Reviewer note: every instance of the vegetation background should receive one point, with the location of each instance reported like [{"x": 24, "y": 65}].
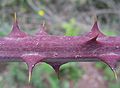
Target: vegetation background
[{"x": 62, "y": 17}]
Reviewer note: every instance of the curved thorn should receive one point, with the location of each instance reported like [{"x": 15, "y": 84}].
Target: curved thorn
[
  {"x": 115, "y": 73},
  {"x": 92, "y": 39},
  {"x": 111, "y": 61}
]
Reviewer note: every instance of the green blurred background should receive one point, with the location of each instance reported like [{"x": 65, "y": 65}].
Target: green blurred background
[{"x": 62, "y": 17}]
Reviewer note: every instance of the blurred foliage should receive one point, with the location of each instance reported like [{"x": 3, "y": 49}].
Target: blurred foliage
[
  {"x": 114, "y": 85},
  {"x": 70, "y": 28},
  {"x": 72, "y": 71},
  {"x": 6, "y": 28}
]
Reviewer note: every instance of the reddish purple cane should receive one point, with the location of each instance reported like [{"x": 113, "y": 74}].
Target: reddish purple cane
[{"x": 57, "y": 50}]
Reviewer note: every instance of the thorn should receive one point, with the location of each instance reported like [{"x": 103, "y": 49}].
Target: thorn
[
  {"x": 95, "y": 26},
  {"x": 56, "y": 69},
  {"x": 56, "y": 66},
  {"x": 93, "y": 39},
  {"x": 42, "y": 30},
  {"x": 30, "y": 75},
  {"x": 58, "y": 74},
  {"x": 115, "y": 73},
  {"x": 111, "y": 61},
  {"x": 15, "y": 17},
  {"x": 95, "y": 18},
  {"x": 15, "y": 25},
  {"x": 30, "y": 70},
  {"x": 95, "y": 29},
  {"x": 31, "y": 60},
  {"x": 16, "y": 30},
  {"x": 43, "y": 23}
]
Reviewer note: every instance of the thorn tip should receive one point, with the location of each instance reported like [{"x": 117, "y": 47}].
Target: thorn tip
[
  {"x": 43, "y": 23},
  {"x": 15, "y": 17},
  {"x": 115, "y": 74},
  {"x": 95, "y": 18},
  {"x": 29, "y": 79}
]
